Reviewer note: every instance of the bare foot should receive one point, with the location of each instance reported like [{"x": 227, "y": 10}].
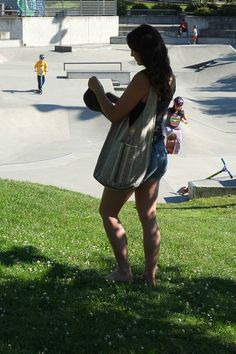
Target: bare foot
[
  {"x": 183, "y": 190},
  {"x": 118, "y": 276},
  {"x": 149, "y": 281}
]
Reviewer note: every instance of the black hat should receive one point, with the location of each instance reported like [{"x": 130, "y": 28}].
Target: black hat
[{"x": 91, "y": 101}]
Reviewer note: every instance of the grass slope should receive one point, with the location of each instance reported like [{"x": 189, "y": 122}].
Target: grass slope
[{"x": 54, "y": 255}]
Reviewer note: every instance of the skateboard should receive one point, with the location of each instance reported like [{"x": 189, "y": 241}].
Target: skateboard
[{"x": 170, "y": 143}]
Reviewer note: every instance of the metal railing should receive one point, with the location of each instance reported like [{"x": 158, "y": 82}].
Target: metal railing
[
  {"x": 67, "y": 7},
  {"x": 94, "y": 63}
]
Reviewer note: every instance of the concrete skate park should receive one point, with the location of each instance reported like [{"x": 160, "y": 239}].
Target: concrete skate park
[{"x": 54, "y": 139}]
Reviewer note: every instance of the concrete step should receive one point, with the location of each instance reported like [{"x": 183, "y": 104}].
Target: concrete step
[
  {"x": 4, "y": 35},
  {"x": 123, "y": 77},
  {"x": 63, "y": 48},
  {"x": 150, "y": 19},
  {"x": 118, "y": 40},
  {"x": 10, "y": 43},
  {"x": 167, "y": 36},
  {"x": 118, "y": 87},
  {"x": 212, "y": 187},
  {"x": 169, "y": 29},
  {"x": 166, "y": 31},
  {"x": 159, "y": 27},
  {"x": 173, "y": 40},
  {"x": 218, "y": 33}
]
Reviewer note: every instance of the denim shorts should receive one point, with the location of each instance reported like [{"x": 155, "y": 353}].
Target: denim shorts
[{"x": 158, "y": 162}]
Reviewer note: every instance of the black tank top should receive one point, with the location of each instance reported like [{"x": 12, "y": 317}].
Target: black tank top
[{"x": 162, "y": 107}]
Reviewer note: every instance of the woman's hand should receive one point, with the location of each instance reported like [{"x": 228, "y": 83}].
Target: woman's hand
[
  {"x": 95, "y": 85},
  {"x": 184, "y": 120}
]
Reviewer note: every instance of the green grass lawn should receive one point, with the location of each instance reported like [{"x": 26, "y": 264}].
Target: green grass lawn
[
  {"x": 54, "y": 256},
  {"x": 67, "y": 4}
]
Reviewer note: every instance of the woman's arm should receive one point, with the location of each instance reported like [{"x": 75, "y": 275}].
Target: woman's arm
[
  {"x": 184, "y": 119},
  {"x": 136, "y": 91},
  {"x": 113, "y": 98}
]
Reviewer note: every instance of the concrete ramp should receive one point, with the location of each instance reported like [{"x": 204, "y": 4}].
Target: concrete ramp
[
  {"x": 55, "y": 139},
  {"x": 3, "y": 59},
  {"x": 26, "y": 134},
  {"x": 209, "y": 95}
]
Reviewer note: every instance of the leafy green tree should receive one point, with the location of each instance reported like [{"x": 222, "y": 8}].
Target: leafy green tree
[{"x": 121, "y": 7}]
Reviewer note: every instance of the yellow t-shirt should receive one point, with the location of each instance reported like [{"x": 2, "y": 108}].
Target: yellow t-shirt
[{"x": 41, "y": 67}]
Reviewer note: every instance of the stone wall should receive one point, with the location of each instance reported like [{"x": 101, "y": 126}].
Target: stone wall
[
  {"x": 202, "y": 22},
  {"x": 70, "y": 30}
]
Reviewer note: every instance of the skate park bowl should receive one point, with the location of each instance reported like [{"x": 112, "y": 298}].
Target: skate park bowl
[{"x": 55, "y": 139}]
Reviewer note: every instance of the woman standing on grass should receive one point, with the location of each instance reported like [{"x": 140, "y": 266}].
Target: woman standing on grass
[{"x": 148, "y": 49}]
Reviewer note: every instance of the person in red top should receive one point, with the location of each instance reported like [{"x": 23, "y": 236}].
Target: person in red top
[{"x": 183, "y": 27}]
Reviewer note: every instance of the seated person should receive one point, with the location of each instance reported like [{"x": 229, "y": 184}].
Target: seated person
[{"x": 183, "y": 27}]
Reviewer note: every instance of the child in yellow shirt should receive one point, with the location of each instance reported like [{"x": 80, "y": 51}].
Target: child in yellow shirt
[{"x": 41, "y": 68}]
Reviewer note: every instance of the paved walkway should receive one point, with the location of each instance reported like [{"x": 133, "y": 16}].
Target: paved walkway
[{"x": 53, "y": 139}]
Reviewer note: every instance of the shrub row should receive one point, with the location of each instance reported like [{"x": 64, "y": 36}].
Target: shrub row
[
  {"x": 212, "y": 10},
  {"x": 198, "y": 10}
]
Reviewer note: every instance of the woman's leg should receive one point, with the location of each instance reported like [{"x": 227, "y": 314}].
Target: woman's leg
[
  {"x": 111, "y": 204},
  {"x": 146, "y": 201}
]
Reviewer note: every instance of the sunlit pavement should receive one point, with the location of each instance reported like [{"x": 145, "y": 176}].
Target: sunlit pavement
[{"x": 54, "y": 139}]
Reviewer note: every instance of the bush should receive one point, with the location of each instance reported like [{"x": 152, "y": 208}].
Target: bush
[
  {"x": 227, "y": 10},
  {"x": 121, "y": 7},
  {"x": 213, "y": 7},
  {"x": 139, "y": 6},
  {"x": 191, "y": 8},
  {"x": 163, "y": 6},
  {"x": 204, "y": 11}
]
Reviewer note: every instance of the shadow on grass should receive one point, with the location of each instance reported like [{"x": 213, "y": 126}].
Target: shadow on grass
[
  {"x": 70, "y": 310},
  {"x": 177, "y": 199},
  {"x": 19, "y": 255}
]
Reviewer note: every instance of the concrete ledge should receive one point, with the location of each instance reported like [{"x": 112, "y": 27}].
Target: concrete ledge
[
  {"x": 63, "y": 48},
  {"x": 150, "y": 19},
  {"x": 173, "y": 40},
  {"x": 123, "y": 77},
  {"x": 212, "y": 187},
  {"x": 153, "y": 12},
  {"x": 10, "y": 43},
  {"x": 4, "y": 35},
  {"x": 216, "y": 33},
  {"x": 118, "y": 40}
]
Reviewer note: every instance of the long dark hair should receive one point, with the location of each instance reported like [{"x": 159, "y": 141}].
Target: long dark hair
[{"x": 147, "y": 41}]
